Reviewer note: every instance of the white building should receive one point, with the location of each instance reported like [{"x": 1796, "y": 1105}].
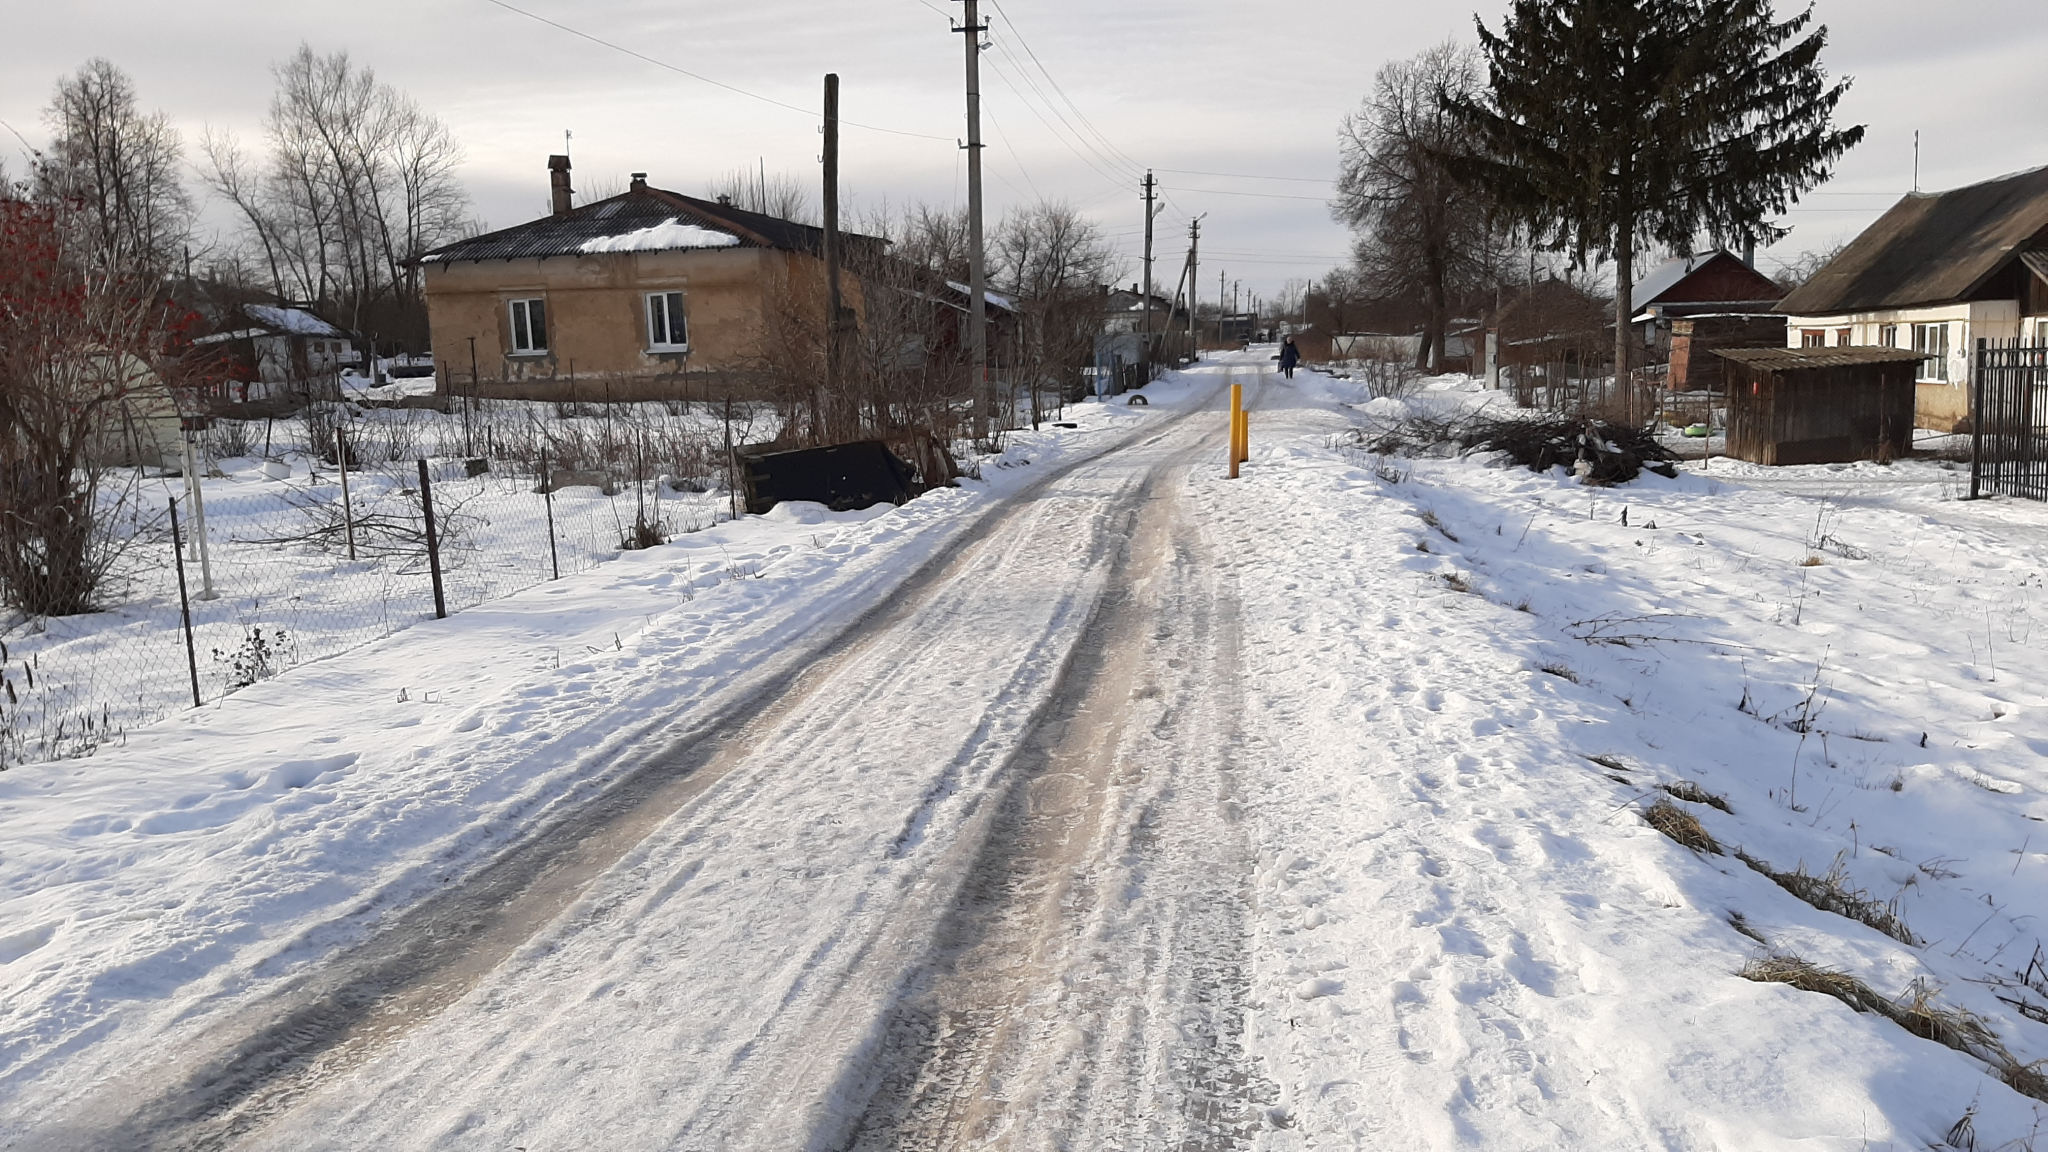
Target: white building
[{"x": 1936, "y": 274}]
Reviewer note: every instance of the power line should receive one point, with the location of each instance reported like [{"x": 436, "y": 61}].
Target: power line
[
  {"x": 1135, "y": 167},
  {"x": 811, "y": 112},
  {"x": 1249, "y": 176},
  {"x": 1260, "y": 195}
]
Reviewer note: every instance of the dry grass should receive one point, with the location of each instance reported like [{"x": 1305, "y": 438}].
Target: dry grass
[
  {"x": 1830, "y": 892},
  {"x": 1919, "y": 1011},
  {"x": 1692, "y": 793},
  {"x": 1610, "y": 762},
  {"x": 1681, "y": 826},
  {"x": 1740, "y": 923},
  {"x": 1812, "y": 562},
  {"x": 1455, "y": 581},
  {"x": 1560, "y": 671}
]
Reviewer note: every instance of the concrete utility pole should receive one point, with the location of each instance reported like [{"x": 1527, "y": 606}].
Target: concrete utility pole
[
  {"x": 1194, "y": 270},
  {"x": 977, "y": 264},
  {"x": 1150, "y": 186},
  {"x": 834, "y": 318}
]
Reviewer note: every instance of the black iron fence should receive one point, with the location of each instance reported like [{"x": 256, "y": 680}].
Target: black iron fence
[{"x": 2009, "y": 420}]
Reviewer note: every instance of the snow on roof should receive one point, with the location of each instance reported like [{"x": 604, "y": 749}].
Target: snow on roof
[
  {"x": 668, "y": 234},
  {"x": 1003, "y": 302},
  {"x": 296, "y": 321},
  {"x": 1663, "y": 277}
]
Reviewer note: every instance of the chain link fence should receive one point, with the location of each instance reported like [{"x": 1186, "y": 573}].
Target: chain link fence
[{"x": 264, "y": 565}]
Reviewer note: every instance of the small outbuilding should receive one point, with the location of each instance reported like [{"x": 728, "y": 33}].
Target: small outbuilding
[{"x": 1819, "y": 405}]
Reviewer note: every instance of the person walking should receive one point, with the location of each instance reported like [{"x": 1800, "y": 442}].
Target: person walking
[{"x": 1290, "y": 355}]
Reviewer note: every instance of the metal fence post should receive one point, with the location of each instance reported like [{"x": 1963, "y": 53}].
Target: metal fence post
[
  {"x": 433, "y": 542},
  {"x": 547, "y": 490},
  {"x": 348, "y": 512},
  {"x": 1977, "y": 422},
  {"x": 198, "y": 499},
  {"x": 184, "y": 602}
]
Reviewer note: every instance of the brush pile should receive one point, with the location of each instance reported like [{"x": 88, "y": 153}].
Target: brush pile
[{"x": 1598, "y": 452}]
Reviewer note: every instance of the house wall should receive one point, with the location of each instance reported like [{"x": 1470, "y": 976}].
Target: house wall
[
  {"x": 1941, "y": 405},
  {"x": 597, "y": 316}
]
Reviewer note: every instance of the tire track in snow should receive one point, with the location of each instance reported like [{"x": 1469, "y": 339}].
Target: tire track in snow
[
  {"x": 1088, "y": 986},
  {"x": 262, "y": 1063}
]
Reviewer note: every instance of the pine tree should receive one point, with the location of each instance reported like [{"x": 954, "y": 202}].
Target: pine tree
[{"x": 1610, "y": 124}]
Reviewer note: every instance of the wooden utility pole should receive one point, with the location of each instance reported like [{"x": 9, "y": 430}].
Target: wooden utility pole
[
  {"x": 1194, "y": 270},
  {"x": 977, "y": 264},
  {"x": 1150, "y": 191},
  {"x": 828, "y": 400}
]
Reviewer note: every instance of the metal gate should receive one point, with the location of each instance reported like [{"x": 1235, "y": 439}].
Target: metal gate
[{"x": 2009, "y": 445}]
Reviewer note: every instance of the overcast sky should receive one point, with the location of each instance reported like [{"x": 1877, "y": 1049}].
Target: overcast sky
[{"x": 1079, "y": 97}]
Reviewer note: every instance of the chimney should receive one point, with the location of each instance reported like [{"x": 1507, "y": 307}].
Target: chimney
[
  {"x": 639, "y": 182},
  {"x": 724, "y": 200},
  {"x": 558, "y": 183}
]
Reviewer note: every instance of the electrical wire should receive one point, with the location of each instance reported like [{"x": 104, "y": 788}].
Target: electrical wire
[
  {"x": 1247, "y": 176},
  {"x": 812, "y": 112},
  {"x": 1133, "y": 165}
]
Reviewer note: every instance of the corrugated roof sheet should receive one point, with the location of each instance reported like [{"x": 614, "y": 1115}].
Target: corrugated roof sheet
[
  {"x": 1783, "y": 359},
  {"x": 633, "y": 211},
  {"x": 1930, "y": 248}
]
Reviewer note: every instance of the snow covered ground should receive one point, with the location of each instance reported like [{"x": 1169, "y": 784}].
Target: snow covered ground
[
  {"x": 148, "y": 890},
  {"x": 1354, "y": 853},
  {"x": 1469, "y": 936}
]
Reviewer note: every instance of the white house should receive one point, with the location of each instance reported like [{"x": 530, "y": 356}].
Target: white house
[{"x": 1937, "y": 273}]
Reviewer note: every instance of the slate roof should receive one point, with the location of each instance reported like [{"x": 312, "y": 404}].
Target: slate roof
[
  {"x": 1931, "y": 248},
  {"x": 1792, "y": 359},
  {"x": 632, "y": 211}
]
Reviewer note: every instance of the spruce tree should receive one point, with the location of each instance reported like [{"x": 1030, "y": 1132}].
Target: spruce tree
[{"x": 1607, "y": 125}]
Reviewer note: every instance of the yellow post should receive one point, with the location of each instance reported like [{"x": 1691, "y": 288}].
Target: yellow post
[
  {"x": 1244, "y": 435},
  {"x": 1236, "y": 414}
]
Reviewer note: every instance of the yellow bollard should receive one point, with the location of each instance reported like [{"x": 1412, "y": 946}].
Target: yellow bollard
[
  {"x": 1236, "y": 415},
  {"x": 1244, "y": 435}
]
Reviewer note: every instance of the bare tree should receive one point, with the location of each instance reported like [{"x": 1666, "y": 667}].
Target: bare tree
[
  {"x": 1420, "y": 233},
  {"x": 1054, "y": 264},
  {"x": 121, "y": 167},
  {"x": 84, "y": 351},
  {"x": 777, "y": 195},
  {"x": 358, "y": 182}
]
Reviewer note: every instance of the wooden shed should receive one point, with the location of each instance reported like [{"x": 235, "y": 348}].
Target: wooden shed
[{"x": 1819, "y": 405}]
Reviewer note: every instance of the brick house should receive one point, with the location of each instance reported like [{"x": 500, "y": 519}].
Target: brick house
[{"x": 647, "y": 294}]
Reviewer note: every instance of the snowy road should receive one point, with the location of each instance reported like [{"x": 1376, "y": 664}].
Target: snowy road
[{"x": 975, "y": 874}]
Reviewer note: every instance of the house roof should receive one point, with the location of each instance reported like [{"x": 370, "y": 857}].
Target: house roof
[
  {"x": 1791, "y": 359},
  {"x": 291, "y": 321},
  {"x": 641, "y": 219},
  {"x": 1930, "y": 248},
  {"x": 1719, "y": 269}
]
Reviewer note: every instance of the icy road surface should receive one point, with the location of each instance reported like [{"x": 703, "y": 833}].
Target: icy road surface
[{"x": 973, "y": 876}]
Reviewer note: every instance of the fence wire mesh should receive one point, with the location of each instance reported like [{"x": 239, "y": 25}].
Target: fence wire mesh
[{"x": 280, "y": 570}]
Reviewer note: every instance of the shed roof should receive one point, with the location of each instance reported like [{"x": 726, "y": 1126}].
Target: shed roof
[
  {"x": 1930, "y": 248},
  {"x": 655, "y": 219},
  {"x": 1791, "y": 359}
]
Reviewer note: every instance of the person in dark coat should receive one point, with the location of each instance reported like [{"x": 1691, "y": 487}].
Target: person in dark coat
[{"x": 1290, "y": 355}]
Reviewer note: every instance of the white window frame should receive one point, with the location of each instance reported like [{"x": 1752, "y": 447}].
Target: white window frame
[
  {"x": 1845, "y": 337},
  {"x": 1888, "y": 335},
  {"x": 1935, "y": 370},
  {"x": 664, "y": 312},
  {"x": 519, "y": 316}
]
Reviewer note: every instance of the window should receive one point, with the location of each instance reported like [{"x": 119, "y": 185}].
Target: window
[
  {"x": 1813, "y": 337},
  {"x": 2041, "y": 333},
  {"x": 1933, "y": 340},
  {"x": 666, "y": 329},
  {"x": 529, "y": 327},
  {"x": 1844, "y": 337},
  {"x": 1888, "y": 336}
]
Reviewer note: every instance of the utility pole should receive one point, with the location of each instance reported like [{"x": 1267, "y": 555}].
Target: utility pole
[
  {"x": 1194, "y": 270},
  {"x": 835, "y": 318},
  {"x": 1150, "y": 186},
  {"x": 977, "y": 264}
]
